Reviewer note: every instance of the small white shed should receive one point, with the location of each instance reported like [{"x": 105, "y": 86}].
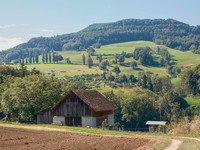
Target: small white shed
[{"x": 157, "y": 126}]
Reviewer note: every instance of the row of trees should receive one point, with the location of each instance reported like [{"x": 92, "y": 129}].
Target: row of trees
[
  {"x": 136, "y": 106},
  {"x": 23, "y": 93},
  {"x": 47, "y": 57},
  {"x": 155, "y": 83},
  {"x": 190, "y": 82},
  {"x": 51, "y": 57}
]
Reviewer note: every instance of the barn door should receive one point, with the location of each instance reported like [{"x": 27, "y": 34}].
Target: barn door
[{"x": 73, "y": 121}]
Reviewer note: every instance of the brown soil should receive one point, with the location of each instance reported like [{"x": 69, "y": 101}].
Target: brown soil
[{"x": 15, "y": 139}]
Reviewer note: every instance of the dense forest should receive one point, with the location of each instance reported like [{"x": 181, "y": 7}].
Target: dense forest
[{"x": 171, "y": 33}]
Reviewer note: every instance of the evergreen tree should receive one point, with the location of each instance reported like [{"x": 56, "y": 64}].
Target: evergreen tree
[
  {"x": 144, "y": 81},
  {"x": 83, "y": 59},
  {"x": 46, "y": 57},
  {"x": 54, "y": 57},
  {"x": 116, "y": 70},
  {"x": 123, "y": 56},
  {"x": 30, "y": 57},
  {"x": 43, "y": 58},
  {"x": 133, "y": 64},
  {"x": 68, "y": 61},
  {"x": 102, "y": 65},
  {"x": 33, "y": 59},
  {"x": 90, "y": 62},
  {"x": 116, "y": 58},
  {"x": 50, "y": 60},
  {"x": 26, "y": 60},
  {"x": 162, "y": 61},
  {"x": 121, "y": 59},
  {"x": 20, "y": 59},
  {"x": 37, "y": 59},
  {"x": 100, "y": 58}
]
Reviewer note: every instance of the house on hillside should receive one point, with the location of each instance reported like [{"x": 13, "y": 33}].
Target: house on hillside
[{"x": 79, "y": 108}]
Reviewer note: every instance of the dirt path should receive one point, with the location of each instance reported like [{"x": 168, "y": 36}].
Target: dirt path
[
  {"x": 174, "y": 145},
  {"x": 12, "y": 138},
  {"x": 191, "y": 138}
]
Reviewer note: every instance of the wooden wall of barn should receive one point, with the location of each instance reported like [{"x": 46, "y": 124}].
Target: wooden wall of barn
[
  {"x": 72, "y": 107},
  {"x": 44, "y": 117}
]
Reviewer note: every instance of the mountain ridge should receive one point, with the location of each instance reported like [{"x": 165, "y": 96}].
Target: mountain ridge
[{"x": 169, "y": 32}]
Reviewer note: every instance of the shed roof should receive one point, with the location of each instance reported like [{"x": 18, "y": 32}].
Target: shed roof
[
  {"x": 160, "y": 123},
  {"x": 43, "y": 110},
  {"x": 93, "y": 99}
]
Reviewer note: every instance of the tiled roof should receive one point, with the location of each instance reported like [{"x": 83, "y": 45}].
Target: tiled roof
[{"x": 94, "y": 99}]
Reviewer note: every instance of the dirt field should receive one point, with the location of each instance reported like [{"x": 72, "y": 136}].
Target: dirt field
[{"x": 15, "y": 139}]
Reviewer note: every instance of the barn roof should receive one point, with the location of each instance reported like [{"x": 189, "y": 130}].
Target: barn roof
[
  {"x": 43, "y": 110},
  {"x": 161, "y": 123},
  {"x": 93, "y": 99}
]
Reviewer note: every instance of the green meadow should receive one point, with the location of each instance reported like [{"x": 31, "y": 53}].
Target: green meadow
[
  {"x": 185, "y": 59},
  {"x": 193, "y": 101}
]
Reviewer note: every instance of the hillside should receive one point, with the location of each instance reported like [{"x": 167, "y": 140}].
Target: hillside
[
  {"x": 182, "y": 59},
  {"x": 171, "y": 33},
  {"x": 147, "y": 87}
]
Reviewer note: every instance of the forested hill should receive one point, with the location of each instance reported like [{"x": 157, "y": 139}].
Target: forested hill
[{"x": 168, "y": 32}]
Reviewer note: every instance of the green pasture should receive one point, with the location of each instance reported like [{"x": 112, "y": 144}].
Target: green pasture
[
  {"x": 184, "y": 59},
  {"x": 193, "y": 101},
  {"x": 61, "y": 70},
  {"x": 127, "y": 47},
  {"x": 175, "y": 80}
]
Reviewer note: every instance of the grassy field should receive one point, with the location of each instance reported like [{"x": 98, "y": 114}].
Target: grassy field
[
  {"x": 61, "y": 70},
  {"x": 181, "y": 58},
  {"x": 193, "y": 101}
]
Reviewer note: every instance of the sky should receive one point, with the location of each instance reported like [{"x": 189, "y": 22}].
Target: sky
[{"x": 21, "y": 20}]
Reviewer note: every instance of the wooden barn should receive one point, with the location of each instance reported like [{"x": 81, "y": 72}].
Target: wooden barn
[{"x": 79, "y": 108}]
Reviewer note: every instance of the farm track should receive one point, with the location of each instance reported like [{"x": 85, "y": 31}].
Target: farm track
[
  {"x": 174, "y": 145},
  {"x": 12, "y": 138}
]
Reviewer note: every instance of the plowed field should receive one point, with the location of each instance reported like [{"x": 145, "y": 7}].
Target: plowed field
[{"x": 15, "y": 139}]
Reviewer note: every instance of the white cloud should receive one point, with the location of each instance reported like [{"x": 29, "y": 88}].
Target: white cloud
[
  {"x": 11, "y": 26},
  {"x": 32, "y": 35},
  {"x": 6, "y": 43},
  {"x": 46, "y": 30}
]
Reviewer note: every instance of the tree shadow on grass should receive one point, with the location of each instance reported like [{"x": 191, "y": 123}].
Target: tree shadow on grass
[{"x": 138, "y": 69}]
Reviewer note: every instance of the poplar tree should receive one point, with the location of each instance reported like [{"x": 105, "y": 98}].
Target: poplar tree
[
  {"x": 50, "y": 57},
  {"x": 100, "y": 58},
  {"x": 54, "y": 58},
  {"x": 37, "y": 59},
  {"x": 83, "y": 59},
  {"x": 90, "y": 62},
  {"x": 30, "y": 57},
  {"x": 43, "y": 59},
  {"x": 46, "y": 57}
]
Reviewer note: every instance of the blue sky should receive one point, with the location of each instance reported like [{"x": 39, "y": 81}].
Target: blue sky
[{"x": 21, "y": 20}]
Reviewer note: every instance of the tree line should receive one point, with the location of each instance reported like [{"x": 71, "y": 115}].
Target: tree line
[{"x": 23, "y": 93}]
